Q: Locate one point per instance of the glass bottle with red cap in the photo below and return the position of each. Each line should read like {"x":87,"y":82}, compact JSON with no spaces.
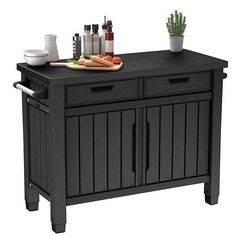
{"x":109,"y":39}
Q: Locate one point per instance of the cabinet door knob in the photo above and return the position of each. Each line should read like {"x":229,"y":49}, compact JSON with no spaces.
{"x":225,"y":75}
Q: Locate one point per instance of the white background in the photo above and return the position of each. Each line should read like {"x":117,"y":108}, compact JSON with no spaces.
{"x":138,"y":26}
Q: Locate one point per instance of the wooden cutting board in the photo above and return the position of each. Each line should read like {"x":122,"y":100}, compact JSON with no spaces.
{"x":73,"y":66}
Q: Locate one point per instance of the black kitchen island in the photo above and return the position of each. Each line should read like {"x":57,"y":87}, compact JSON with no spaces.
{"x":155,"y":124}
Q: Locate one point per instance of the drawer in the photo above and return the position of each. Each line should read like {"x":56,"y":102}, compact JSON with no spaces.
{"x":171,"y":85}
{"x":102,"y":92}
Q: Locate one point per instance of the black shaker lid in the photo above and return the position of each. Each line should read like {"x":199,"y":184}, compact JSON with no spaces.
{"x":109,"y":24}
{"x":87,"y":27}
{"x":104,"y":26}
{"x":95,"y":28}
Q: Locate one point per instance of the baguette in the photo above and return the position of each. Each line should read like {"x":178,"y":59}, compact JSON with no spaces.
{"x":90,"y":63}
{"x":100,"y":60}
{"x":82,"y":61}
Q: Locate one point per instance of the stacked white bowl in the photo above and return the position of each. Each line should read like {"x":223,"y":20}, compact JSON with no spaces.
{"x":36,"y":57}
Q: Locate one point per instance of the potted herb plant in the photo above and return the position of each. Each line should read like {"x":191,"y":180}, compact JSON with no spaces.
{"x":176,"y":26}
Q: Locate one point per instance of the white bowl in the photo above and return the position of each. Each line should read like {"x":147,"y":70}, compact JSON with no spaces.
{"x":35,"y":57}
{"x":35,"y":52}
{"x":36,"y":61}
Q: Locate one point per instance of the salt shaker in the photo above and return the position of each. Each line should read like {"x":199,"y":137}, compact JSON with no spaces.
{"x":96,"y":39}
{"x":87,"y":40}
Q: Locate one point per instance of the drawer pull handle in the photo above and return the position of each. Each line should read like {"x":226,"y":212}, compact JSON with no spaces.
{"x":102,"y":89}
{"x":147,"y":144}
{"x":40,"y":94}
{"x":179,"y":80}
{"x":134,"y":148}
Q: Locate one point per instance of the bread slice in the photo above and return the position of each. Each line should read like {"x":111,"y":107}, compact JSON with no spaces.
{"x":100,"y":60}
{"x":90,"y":63}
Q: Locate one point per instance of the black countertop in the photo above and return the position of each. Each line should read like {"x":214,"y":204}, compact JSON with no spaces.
{"x":156,"y":63}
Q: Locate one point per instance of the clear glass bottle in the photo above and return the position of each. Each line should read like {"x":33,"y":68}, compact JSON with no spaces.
{"x":87,"y":40}
{"x":102,"y":37}
{"x":96,"y":39}
{"x":109,"y":39}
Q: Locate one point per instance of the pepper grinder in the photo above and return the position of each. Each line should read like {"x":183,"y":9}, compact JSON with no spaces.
{"x":76,"y":46}
{"x":51,"y":46}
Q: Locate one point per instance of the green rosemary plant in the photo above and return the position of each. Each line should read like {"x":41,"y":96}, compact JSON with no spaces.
{"x":176,"y":24}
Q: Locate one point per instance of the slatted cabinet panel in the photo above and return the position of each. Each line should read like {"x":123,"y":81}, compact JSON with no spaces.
{"x":203,"y":142}
{"x":114,"y":152}
{"x":128,"y":149}
{"x":178,"y":141}
{"x":153,"y":136}
{"x":72,"y":152}
{"x":100,"y":151}
{"x":38,"y":147}
{"x":86,"y":143}
{"x":166,"y":143}
{"x":191,"y":149}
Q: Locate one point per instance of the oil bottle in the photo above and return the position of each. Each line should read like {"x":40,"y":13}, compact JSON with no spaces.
{"x":109,"y":39}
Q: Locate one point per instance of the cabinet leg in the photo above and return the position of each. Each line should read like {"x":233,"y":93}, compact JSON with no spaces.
{"x":58,"y":216}
{"x":32,"y":206}
{"x":57,"y":159}
{"x":212,"y":200}
{"x":31,"y":199}
{"x":58,"y":228}
{"x":212,"y":188}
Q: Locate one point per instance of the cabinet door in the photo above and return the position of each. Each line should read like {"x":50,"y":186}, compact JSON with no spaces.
{"x":39,"y":148}
{"x":100,"y":152}
{"x":177,"y":143}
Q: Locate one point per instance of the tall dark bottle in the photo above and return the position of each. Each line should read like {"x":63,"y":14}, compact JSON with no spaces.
{"x":76,"y":46}
{"x":109,"y":39}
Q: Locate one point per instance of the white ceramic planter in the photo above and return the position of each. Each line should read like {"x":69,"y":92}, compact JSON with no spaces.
{"x":51,"y":47}
{"x":176,"y":43}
